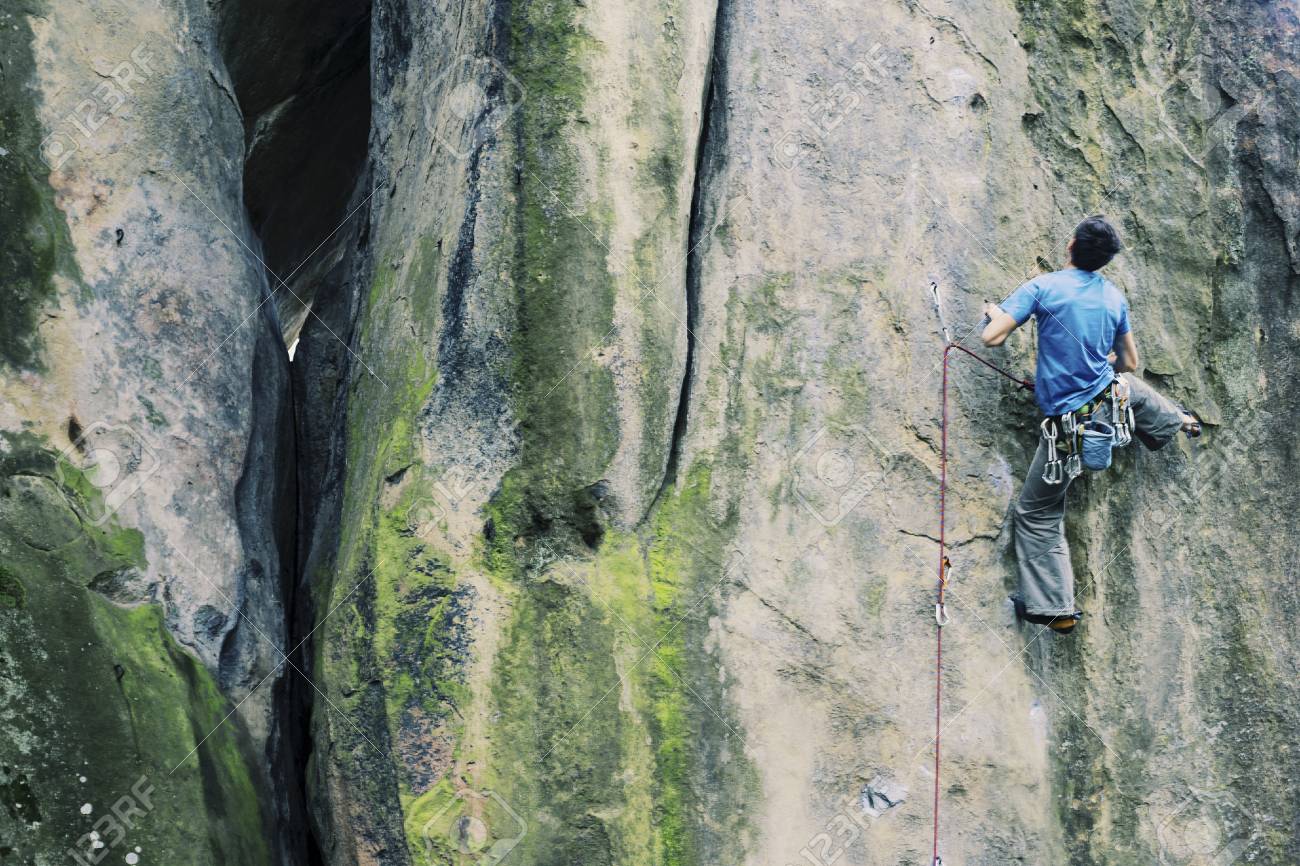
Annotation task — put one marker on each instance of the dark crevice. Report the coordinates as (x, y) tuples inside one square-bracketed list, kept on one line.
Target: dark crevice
[(451, 349), (300, 73), (301, 76), (266, 506), (292, 696), (320, 367), (709, 156)]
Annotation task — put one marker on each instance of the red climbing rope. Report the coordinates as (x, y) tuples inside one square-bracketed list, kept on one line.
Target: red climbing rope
[(940, 615)]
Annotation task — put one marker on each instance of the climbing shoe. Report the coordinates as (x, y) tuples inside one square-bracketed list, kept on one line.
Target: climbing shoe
[(1065, 624), (1061, 623)]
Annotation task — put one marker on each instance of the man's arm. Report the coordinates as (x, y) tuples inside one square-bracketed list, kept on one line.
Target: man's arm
[(1126, 353), (1000, 325)]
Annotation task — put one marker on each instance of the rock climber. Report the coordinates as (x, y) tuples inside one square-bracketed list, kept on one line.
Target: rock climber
[(1086, 360)]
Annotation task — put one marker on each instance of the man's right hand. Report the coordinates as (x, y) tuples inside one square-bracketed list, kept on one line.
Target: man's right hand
[(999, 325), (1124, 357)]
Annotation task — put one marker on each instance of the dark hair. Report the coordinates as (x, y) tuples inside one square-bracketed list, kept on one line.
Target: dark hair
[(1095, 243)]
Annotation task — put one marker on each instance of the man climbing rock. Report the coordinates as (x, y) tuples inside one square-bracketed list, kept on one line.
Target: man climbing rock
[(1085, 388)]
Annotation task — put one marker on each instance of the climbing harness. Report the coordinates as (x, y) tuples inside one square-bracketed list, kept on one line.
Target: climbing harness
[(945, 564), (1065, 432)]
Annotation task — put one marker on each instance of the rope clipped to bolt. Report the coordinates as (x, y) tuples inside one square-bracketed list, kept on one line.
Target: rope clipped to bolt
[(945, 564)]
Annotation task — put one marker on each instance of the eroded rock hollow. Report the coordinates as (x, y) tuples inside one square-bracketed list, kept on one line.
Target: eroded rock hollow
[(508, 432)]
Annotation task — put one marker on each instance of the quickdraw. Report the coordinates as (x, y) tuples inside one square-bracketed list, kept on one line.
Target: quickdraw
[(940, 610), (1121, 411), (1053, 469)]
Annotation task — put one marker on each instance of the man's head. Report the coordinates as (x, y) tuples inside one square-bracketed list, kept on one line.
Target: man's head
[(1094, 244)]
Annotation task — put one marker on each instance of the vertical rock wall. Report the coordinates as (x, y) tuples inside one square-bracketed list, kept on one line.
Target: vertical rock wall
[(949, 143), (506, 428), (534, 651), (599, 498), (145, 528)]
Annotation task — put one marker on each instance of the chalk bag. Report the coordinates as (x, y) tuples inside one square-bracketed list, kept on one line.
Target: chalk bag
[(1098, 440)]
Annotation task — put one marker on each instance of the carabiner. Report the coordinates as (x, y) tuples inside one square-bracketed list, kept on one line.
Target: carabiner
[(1124, 431), (1121, 412), (941, 615), (938, 311)]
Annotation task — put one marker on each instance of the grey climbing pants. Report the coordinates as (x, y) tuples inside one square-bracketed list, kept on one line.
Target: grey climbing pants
[(1042, 555)]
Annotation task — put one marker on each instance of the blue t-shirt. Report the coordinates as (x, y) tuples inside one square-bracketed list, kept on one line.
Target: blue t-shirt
[(1080, 316)]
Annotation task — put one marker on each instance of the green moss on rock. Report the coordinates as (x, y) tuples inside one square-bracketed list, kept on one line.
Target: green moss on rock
[(565, 400), (105, 709), (34, 243), (615, 739), (383, 651), (583, 747)]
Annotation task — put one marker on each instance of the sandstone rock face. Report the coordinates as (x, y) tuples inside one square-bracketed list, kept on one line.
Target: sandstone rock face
[(1108, 748), (520, 349), (744, 671), (145, 428), (599, 500)]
